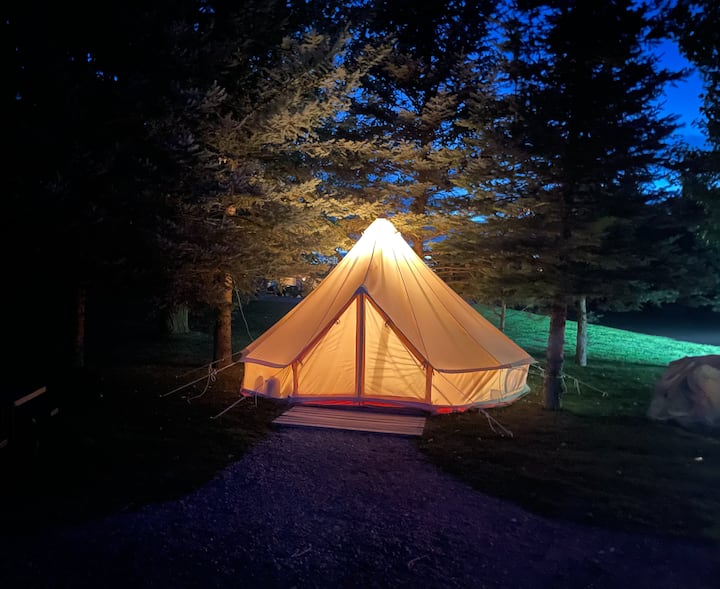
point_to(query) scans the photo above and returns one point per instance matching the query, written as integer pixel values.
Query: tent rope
(211, 378)
(224, 411)
(242, 310)
(492, 422)
(197, 380)
(191, 371)
(540, 369)
(247, 329)
(576, 381)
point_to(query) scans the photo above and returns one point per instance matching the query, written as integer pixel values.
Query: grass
(118, 445)
(599, 461)
(604, 343)
(623, 366)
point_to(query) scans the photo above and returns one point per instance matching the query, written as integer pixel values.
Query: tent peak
(379, 228)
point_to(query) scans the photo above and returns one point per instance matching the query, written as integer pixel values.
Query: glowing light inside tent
(380, 232)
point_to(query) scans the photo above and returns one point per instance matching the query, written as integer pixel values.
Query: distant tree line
(177, 152)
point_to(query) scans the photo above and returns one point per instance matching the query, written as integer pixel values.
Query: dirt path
(320, 508)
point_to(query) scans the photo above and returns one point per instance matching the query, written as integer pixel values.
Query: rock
(688, 393)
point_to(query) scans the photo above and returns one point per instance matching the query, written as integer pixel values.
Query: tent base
(392, 403)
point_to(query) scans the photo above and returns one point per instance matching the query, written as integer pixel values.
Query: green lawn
(600, 460)
(117, 444)
(623, 366)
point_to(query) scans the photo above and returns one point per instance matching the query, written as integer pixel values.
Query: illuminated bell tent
(383, 329)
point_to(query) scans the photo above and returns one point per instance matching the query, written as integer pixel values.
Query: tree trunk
(503, 309)
(79, 343)
(177, 320)
(553, 385)
(581, 341)
(223, 324)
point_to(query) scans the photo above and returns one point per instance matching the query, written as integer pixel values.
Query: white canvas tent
(382, 328)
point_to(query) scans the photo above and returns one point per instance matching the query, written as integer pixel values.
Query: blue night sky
(684, 97)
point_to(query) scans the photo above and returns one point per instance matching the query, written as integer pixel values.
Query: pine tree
(408, 107)
(136, 189)
(74, 211)
(695, 25)
(251, 136)
(587, 146)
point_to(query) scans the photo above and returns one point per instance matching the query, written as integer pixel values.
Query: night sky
(684, 97)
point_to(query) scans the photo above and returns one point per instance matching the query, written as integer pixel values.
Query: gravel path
(321, 508)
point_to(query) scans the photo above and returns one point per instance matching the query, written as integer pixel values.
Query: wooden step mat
(353, 419)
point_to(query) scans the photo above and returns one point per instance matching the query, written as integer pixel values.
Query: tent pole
(295, 378)
(360, 348)
(428, 383)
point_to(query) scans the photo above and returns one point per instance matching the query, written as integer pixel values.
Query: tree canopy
(170, 151)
